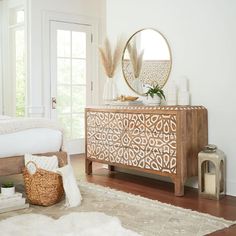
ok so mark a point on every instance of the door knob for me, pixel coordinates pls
(54, 103)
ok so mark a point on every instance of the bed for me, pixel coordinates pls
(35, 136)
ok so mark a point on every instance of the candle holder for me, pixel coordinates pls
(211, 173)
(184, 95)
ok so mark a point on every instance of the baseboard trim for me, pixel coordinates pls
(231, 188)
(192, 182)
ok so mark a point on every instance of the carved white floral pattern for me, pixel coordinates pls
(152, 72)
(139, 140)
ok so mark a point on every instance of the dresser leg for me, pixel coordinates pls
(88, 166)
(111, 168)
(179, 188)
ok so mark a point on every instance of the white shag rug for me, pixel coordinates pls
(73, 224)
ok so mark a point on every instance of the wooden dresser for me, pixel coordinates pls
(162, 140)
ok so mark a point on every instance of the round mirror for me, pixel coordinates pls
(146, 60)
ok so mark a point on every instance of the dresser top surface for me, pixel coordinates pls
(143, 107)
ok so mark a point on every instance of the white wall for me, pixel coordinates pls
(1, 81)
(89, 8)
(202, 37)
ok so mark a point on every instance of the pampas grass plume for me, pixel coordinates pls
(109, 59)
(135, 58)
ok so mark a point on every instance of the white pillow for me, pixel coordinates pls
(44, 162)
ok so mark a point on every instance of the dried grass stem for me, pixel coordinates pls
(135, 58)
(109, 59)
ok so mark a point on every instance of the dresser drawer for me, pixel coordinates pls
(152, 159)
(157, 142)
(105, 120)
(164, 123)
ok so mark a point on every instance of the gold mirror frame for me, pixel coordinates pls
(123, 54)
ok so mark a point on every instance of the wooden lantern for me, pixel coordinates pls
(211, 173)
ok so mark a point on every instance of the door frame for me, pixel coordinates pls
(73, 145)
(71, 27)
(49, 16)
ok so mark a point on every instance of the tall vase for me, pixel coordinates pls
(137, 85)
(110, 91)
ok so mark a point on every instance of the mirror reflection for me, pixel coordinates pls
(146, 60)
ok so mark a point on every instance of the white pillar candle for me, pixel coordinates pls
(171, 99)
(183, 98)
(210, 183)
(183, 93)
(171, 95)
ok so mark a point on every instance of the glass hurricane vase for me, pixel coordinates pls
(110, 92)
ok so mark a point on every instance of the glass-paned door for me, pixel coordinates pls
(71, 79)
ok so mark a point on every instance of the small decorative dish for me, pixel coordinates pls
(124, 98)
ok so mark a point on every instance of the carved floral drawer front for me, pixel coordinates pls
(139, 140)
(132, 157)
(131, 121)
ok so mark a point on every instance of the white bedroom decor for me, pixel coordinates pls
(136, 59)
(43, 187)
(77, 223)
(8, 189)
(110, 92)
(146, 60)
(155, 100)
(127, 101)
(72, 192)
(210, 183)
(211, 172)
(11, 201)
(183, 93)
(110, 60)
(49, 163)
(48, 167)
(122, 205)
(154, 96)
(171, 95)
(28, 133)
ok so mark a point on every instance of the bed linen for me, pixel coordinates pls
(29, 135)
(35, 140)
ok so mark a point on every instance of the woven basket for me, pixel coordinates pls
(42, 188)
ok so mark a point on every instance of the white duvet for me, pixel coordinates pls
(28, 135)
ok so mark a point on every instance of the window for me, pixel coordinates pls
(18, 60)
(20, 80)
(71, 75)
(20, 16)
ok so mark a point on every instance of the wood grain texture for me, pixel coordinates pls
(159, 190)
(14, 165)
(164, 140)
(231, 231)
(153, 189)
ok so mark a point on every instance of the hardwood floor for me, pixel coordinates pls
(153, 189)
(159, 190)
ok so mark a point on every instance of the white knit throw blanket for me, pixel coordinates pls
(12, 125)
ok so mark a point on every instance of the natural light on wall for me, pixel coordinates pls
(17, 35)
